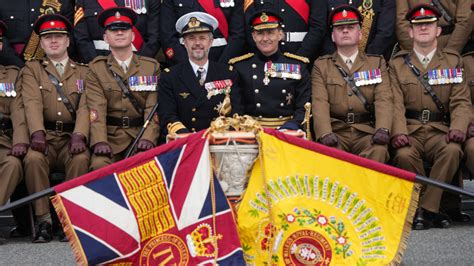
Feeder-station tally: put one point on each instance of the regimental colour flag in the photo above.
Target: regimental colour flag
(161, 207)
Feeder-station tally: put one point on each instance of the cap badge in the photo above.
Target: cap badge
(264, 17)
(194, 22)
(51, 23)
(117, 15)
(344, 13)
(422, 11)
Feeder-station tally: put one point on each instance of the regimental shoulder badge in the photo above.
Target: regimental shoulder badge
(7, 90)
(169, 53)
(218, 87)
(297, 57)
(368, 77)
(240, 58)
(143, 83)
(445, 76)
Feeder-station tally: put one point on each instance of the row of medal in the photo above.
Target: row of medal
(368, 77)
(139, 6)
(143, 83)
(227, 3)
(7, 90)
(281, 70)
(80, 85)
(218, 87)
(445, 76)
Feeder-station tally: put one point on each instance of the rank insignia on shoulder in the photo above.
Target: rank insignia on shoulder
(297, 57)
(80, 85)
(7, 90)
(368, 77)
(226, 3)
(143, 83)
(218, 87)
(184, 95)
(445, 76)
(240, 58)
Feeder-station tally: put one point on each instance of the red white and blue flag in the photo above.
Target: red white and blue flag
(160, 207)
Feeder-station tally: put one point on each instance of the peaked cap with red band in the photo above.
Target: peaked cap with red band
(265, 19)
(52, 23)
(423, 13)
(3, 29)
(345, 15)
(117, 18)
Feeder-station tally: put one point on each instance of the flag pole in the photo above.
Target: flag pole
(142, 131)
(26, 200)
(444, 186)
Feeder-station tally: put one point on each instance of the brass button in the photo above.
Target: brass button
(282, 104)
(194, 109)
(61, 84)
(254, 66)
(59, 99)
(193, 119)
(283, 91)
(59, 113)
(258, 105)
(257, 91)
(254, 76)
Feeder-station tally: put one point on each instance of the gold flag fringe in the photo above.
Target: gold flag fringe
(397, 260)
(69, 230)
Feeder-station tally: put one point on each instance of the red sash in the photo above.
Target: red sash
(138, 40)
(301, 7)
(208, 6)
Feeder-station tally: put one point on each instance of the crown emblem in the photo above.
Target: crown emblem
(201, 242)
(52, 23)
(422, 11)
(117, 15)
(194, 22)
(344, 13)
(264, 17)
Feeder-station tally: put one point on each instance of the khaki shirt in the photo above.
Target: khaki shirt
(409, 93)
(332, 96)
(105, 98)
(459, 10)
(44, 104)
(12, 108)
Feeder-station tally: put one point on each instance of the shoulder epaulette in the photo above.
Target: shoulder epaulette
(468, 54)
(324, 57)
(149, 59)
(167, 70)
(374, 55)
(450, 51)
(99, 58)
(12, 67)
(401, 53)
(240, 58)
(297, 57)
(82, 64)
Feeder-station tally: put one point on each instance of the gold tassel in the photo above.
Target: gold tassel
(307, 122)
(226, 107)
(368, 14)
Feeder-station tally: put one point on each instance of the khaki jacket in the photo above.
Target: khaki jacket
(43, 103)
(12, 108)
(105, 98)
(459, 10)
(333, 97)
(410, 94)
(468, 61)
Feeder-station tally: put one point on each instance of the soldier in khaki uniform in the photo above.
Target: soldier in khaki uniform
(431, 111)
(57, 116)
(455, 23)
(468, 60)
(121, 91)
(354, 113)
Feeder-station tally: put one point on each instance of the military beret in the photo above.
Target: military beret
(423, 13)
(345, 15)
(196, 22)
(265, 19)
(117, 18)
(52, 23)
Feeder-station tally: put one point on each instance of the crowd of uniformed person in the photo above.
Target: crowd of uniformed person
(388, 80)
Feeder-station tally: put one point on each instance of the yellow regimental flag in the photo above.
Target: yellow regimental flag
(307, 204)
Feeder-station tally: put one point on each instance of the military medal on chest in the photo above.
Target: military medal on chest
(218, 87)
(268, 71)
(227, 3)
(139, 6)
(7, 90)
(80, 86)
(368, 77)
(281, 70)
(143, 83)
(445, 76)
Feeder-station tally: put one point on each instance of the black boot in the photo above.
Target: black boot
(43, 233)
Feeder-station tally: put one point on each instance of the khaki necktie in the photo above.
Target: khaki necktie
(349, 63)
(60, 68)
(425, 61)
(124, 67)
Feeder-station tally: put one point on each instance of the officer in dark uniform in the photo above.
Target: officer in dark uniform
(378, 28)
(275, 85)
(193, 93)
(20, 16)
(89, 37)
(229, 37)
(303, 21)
